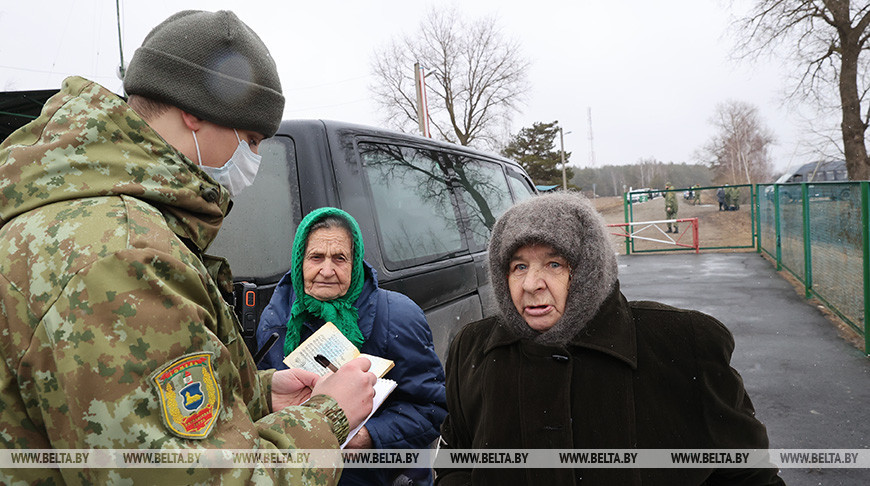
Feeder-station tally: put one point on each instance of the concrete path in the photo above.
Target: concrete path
(809, 387)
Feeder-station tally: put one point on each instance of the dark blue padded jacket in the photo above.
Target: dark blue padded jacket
(393, 327)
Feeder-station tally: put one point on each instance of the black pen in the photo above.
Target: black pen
(322, 361)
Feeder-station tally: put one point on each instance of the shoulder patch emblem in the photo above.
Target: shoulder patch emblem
(189, 395)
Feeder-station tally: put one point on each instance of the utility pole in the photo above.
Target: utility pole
(591, 140)
(422, 105)
(120, 47)
(562, 143)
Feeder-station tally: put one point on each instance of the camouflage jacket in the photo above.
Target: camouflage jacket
(671, 202)
(113, 329)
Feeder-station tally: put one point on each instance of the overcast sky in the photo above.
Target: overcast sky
(651, 72)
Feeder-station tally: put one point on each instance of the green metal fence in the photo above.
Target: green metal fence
(820, 233)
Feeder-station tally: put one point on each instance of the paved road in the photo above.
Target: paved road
(810, 387)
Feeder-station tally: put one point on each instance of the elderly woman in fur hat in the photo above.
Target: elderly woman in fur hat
(570, 364)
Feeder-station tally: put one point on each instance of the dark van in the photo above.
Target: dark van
(425, 209)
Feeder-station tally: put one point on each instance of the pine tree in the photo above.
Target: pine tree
(533, 149)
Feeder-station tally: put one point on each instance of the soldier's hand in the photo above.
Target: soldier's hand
(352, 386)
(291, 387)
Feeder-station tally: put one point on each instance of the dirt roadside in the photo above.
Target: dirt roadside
(716, 228)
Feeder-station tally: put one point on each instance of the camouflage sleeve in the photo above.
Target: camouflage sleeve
(137, 353)
(265, 379)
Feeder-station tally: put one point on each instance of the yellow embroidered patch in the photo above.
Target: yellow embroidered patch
(189, 395)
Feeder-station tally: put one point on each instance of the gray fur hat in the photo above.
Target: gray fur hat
(212, 65)
(569, 223)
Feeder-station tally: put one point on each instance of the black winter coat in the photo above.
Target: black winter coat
(641, 375)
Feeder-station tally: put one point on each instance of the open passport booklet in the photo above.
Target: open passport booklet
(331, 344)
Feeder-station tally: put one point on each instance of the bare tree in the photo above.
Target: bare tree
(738, 152)
(616, 179)
(650, 172)
(476, 78)
(828, 40)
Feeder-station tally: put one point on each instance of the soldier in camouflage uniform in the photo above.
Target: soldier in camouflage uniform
(114, 328)
(671, 206)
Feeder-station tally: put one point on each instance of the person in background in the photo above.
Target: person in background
(569, 363)
(720, 196)
(330, 282)
(732, 198)
(671, 207)
(115, 332)
(696, 193)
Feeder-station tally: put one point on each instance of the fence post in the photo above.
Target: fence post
(777, 228)
(756, 220)
(753, 202)
(625, 203)
(865, 243)
(631, 219)
(808, 257)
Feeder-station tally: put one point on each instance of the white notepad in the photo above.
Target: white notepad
(383, 388)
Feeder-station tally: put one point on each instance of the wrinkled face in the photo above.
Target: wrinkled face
(327, 264)
(538, 280)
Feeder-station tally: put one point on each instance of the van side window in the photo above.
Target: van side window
(485, 194)
(416, 215)
(254, 238)
(521, 187)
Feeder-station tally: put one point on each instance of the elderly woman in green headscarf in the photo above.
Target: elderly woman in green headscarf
(330, 282)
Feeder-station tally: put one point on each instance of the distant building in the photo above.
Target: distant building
(832, 170)
(822, 171)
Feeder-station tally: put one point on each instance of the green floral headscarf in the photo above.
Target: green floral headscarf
(340, 311)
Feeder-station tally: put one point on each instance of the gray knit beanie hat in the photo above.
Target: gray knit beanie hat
(569, 223)
(212, 65)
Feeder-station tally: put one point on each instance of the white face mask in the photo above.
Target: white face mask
(239, 172)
